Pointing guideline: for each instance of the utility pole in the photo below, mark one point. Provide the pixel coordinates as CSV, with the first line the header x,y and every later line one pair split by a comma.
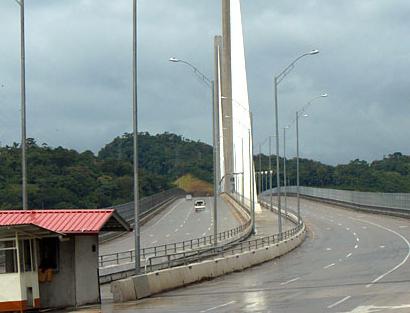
x,y
135,139
23,107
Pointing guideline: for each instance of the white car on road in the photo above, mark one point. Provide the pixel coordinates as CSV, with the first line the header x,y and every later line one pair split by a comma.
x,y
199,205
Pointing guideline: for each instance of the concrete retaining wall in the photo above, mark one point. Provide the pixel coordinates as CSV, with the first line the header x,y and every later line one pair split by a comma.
x,y
142,286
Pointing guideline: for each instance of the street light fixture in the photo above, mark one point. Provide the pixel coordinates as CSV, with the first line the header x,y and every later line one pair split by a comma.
x,y
135,138
215,137
23,107
277,80
298,113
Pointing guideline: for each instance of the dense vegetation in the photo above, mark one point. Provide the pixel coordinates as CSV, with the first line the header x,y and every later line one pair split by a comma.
x,y
63,178
392,174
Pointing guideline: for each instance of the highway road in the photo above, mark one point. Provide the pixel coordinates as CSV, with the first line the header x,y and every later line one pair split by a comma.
x,y
350,262
176,223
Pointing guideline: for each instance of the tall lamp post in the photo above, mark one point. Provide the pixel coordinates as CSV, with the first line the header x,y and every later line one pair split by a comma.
x,y
284,170
135,139
215,137
277,79
300,113
23,107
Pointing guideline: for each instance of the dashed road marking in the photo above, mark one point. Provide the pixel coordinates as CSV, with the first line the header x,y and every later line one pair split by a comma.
x,y
290,281
329,266
348,255
339,302
218,306
398,265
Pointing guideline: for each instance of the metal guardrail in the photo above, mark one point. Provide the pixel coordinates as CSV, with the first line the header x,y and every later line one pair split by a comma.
x,y
185,258
399,201
145,204
171,248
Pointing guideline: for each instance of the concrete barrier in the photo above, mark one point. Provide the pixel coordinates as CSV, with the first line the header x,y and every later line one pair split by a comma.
x,y
145,285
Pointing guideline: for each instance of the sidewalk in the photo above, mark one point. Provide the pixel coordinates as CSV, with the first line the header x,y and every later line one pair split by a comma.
x,y
266,223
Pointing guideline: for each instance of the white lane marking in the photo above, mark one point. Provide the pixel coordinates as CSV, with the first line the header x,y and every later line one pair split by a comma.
x,y
339,224
364,227
167,235
176,230
398,265
154,242
373,308
349,255
289,281
180,226
354,234
382,247
356,246
209,228
340,260
357,239
187,234
151,235
347,228
203,234
339,302
218,306
328,249
403,226
169,212
329,266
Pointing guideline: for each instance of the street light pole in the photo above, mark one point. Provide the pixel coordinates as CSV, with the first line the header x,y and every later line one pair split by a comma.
x,y
270,171
260,170
297,166
135,139
284,171
215,132
277,80
277,156
215,124
297,151
23,107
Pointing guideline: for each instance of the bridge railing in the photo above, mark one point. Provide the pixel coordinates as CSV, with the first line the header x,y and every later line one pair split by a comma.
x,y
184,258
175,247
147,203
400,201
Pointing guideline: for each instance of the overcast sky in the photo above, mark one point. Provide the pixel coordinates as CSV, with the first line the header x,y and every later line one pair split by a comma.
x,y
79,74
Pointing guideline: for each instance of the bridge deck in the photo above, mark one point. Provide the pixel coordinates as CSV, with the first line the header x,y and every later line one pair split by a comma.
x,y
350,262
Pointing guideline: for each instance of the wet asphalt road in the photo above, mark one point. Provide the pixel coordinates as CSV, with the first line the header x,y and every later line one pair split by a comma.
x,y
177,223
350,262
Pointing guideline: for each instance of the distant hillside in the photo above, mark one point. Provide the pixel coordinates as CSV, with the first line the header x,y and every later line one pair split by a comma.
x,y
167,155
64,178
392,174
194,186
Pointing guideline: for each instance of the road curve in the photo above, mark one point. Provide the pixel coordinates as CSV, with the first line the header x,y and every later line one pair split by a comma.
x,y
176,223
351,262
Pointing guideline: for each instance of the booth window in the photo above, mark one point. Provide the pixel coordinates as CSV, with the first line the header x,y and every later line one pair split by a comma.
x,y
49,254
26,255
8,257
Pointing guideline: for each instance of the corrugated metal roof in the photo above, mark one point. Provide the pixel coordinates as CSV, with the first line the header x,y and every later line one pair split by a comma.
x,y
61,221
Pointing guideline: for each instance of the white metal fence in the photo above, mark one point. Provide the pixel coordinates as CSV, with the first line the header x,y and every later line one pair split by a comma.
x,y
371,199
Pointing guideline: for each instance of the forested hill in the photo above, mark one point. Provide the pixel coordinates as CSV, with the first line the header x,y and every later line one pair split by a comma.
x,y
64,178
166,154
391,174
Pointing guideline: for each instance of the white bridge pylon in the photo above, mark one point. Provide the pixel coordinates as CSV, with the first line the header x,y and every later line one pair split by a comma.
x,y
236,167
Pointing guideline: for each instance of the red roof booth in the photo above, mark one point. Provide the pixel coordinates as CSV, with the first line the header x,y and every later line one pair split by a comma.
x,y
49,258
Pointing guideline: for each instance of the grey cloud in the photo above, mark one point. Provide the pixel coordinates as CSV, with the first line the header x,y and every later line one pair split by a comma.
x,y
79,56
